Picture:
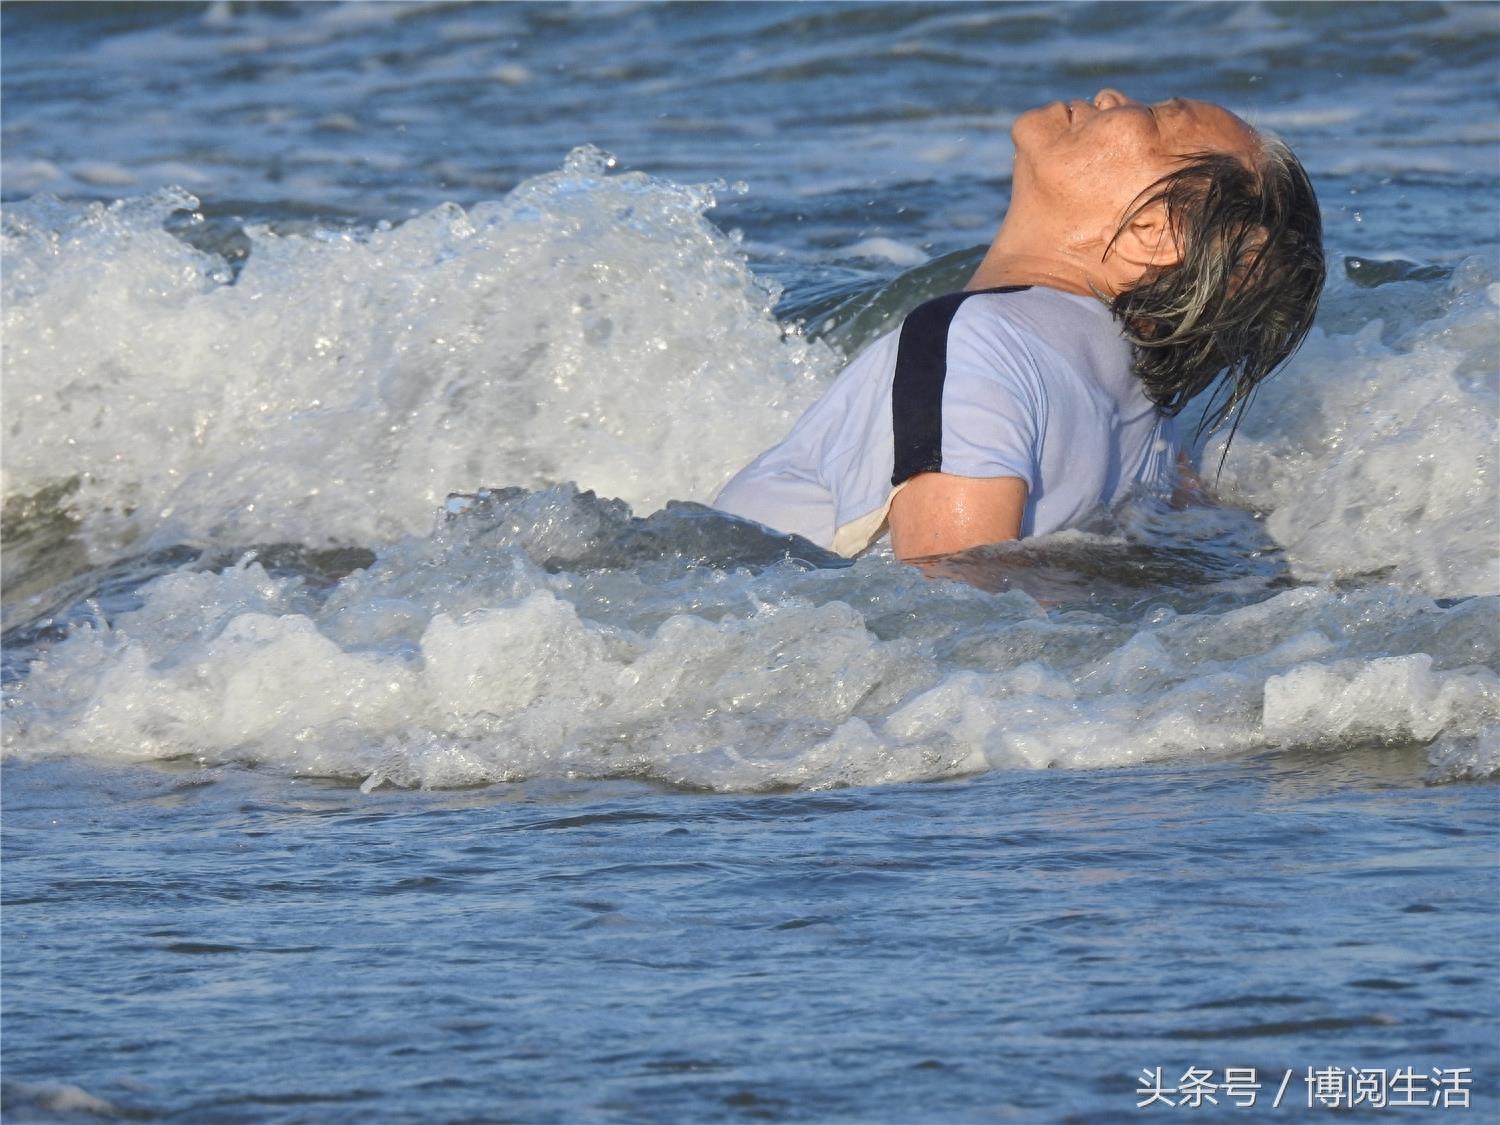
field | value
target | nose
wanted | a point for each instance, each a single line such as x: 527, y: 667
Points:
x: 1109, y: 99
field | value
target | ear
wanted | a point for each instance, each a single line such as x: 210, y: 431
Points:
x: 1146, y: 240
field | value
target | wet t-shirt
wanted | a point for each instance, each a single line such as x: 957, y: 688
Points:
x: 1031, y: 383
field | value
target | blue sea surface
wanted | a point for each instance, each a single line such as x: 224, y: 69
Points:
x: 1017, y: 947
x: 326, y: 798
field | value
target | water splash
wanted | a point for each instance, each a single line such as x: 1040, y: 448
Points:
x: 591, y: 327
x: 552, y: 634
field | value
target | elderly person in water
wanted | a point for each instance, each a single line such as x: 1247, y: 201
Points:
x: 1148, y: 251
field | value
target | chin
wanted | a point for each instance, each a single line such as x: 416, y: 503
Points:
x: 1036, y: 125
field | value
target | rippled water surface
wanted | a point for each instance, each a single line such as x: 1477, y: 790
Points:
x: 327, y: 797
x: 1014, y: 947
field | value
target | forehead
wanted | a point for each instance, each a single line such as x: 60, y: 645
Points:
x: 1191, y: 125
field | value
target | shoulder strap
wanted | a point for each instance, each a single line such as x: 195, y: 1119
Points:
x: 917, y: 386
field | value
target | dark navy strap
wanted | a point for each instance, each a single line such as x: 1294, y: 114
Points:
x: 917, y: 387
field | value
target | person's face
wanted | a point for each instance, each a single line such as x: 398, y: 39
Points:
x: 1098, y: 155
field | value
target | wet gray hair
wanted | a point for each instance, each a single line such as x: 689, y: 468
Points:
x: 1244, y: 291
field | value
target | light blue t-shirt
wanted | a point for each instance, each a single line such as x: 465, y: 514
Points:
x: 1031, y: 383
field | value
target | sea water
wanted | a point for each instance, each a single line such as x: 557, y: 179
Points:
x: 327, y: 796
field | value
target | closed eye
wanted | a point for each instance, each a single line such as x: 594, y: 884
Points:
x: 1175, y: 105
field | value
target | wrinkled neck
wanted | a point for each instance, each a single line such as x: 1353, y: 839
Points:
x: 1037, y: 245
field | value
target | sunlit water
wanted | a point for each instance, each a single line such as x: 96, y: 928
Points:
x: 326, y: 797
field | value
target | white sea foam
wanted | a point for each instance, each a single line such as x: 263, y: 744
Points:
x: 54, y: 1099
x: 589, y: 327
x: 460, y: 659
x: 1394, y: 698
x: 898, y: 253
x: 597, y: 328
x: 1381, y: 457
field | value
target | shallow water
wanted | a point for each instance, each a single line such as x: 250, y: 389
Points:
x: 328, y: 797
x: 1013, y: 947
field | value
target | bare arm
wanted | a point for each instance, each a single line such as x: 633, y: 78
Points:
x: 938, y: 514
